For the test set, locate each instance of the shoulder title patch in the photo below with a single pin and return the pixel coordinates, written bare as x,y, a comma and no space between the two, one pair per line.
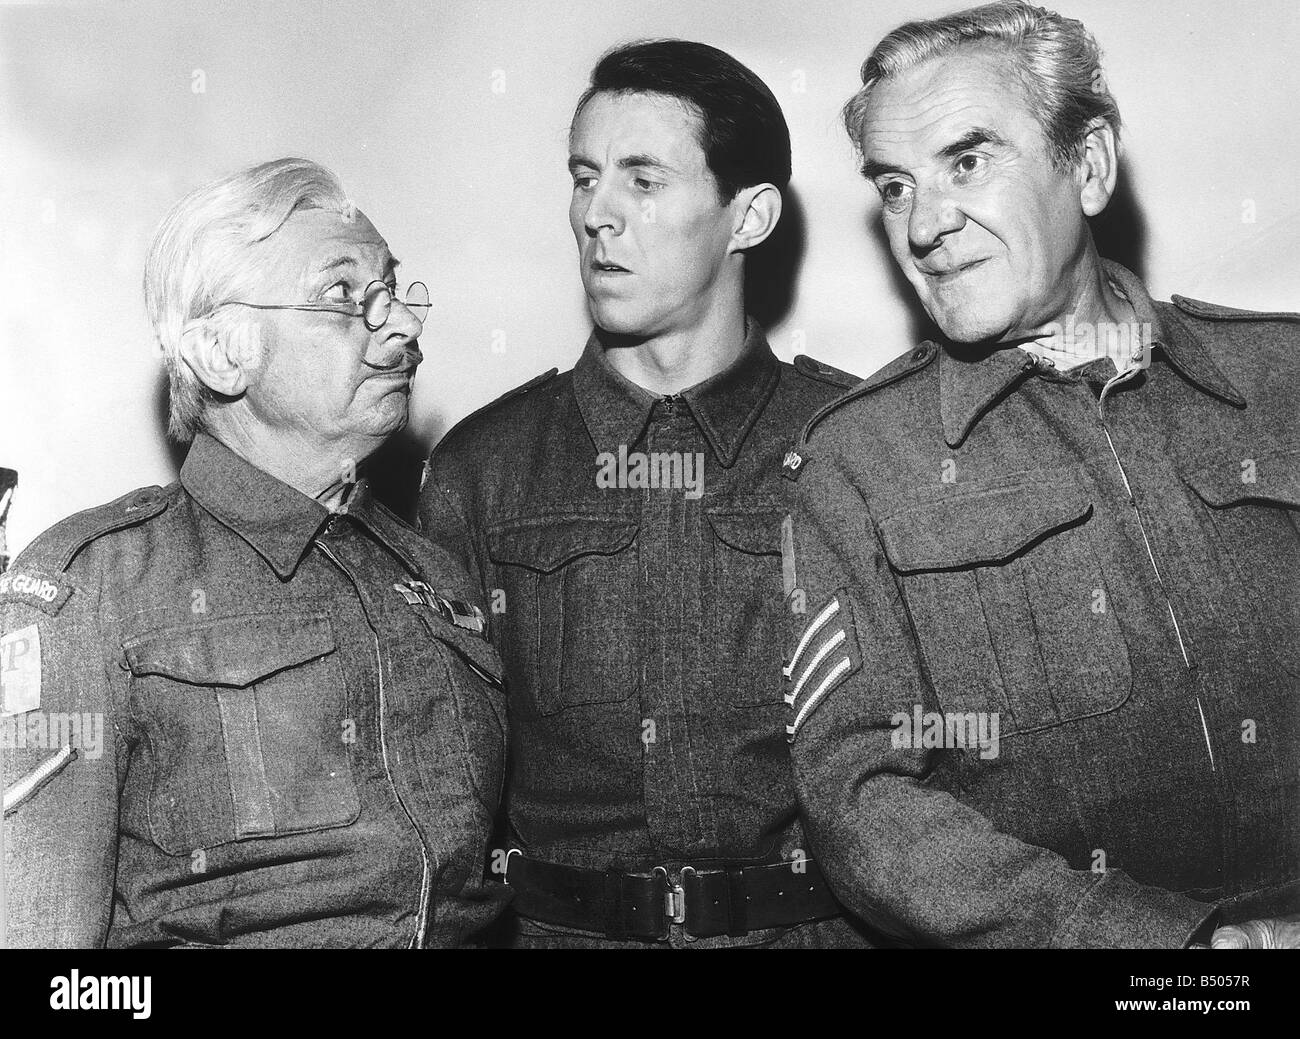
32,587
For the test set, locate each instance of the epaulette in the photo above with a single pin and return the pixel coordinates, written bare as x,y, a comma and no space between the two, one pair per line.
815,369
899,368
531,384
54,550
1215,312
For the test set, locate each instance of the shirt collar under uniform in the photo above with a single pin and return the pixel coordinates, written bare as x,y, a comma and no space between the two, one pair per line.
276,520
971,386
725,406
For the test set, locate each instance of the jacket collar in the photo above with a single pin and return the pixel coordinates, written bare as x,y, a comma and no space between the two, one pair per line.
725,406
276,520
971,385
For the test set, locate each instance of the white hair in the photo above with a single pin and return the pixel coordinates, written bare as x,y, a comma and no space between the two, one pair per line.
199,259
1056,60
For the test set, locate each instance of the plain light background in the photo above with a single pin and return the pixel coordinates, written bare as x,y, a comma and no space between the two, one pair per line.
447,124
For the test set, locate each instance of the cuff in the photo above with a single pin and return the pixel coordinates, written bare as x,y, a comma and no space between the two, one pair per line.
1119,913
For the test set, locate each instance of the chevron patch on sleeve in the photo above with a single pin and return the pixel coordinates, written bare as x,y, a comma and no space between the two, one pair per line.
825,654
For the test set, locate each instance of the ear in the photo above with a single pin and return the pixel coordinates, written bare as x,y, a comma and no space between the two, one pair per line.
1098,168
224,357
758,209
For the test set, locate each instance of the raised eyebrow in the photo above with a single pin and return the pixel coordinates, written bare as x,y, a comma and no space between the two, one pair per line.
644,162
973,138
871,169
339,262
335,262
577,162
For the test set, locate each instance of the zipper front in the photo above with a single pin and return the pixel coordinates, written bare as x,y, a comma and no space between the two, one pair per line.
422,916
1146,541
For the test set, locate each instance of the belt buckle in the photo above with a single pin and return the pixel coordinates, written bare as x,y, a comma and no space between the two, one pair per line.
505,873
674,895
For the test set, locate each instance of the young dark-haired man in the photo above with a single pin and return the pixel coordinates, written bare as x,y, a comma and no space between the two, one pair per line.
625,521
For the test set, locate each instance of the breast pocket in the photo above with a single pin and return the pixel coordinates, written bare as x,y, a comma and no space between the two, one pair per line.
1251,510
568,635
1010,604
246,721
743,619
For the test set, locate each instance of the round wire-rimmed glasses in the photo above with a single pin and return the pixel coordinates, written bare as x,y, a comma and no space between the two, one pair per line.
375,305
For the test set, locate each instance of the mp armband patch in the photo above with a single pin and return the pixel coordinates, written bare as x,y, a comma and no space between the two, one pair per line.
824,657
20,671
31,587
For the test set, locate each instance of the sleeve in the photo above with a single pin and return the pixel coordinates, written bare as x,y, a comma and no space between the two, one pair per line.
59,764
899,850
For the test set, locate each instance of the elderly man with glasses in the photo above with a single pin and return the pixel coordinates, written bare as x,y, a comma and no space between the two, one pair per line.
254,707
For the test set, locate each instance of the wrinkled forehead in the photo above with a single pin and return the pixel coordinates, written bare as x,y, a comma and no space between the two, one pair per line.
936,102
614,126
313,239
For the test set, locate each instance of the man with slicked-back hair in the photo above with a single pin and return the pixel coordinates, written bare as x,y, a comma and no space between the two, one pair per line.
624,520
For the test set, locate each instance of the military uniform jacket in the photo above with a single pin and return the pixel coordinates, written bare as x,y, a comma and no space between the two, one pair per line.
639,618
300,739
1113,577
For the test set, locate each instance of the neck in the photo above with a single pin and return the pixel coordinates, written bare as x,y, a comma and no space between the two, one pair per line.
321,469
1096,317
673,361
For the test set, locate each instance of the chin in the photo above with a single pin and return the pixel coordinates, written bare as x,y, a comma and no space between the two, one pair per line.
971,327
619,318
388,420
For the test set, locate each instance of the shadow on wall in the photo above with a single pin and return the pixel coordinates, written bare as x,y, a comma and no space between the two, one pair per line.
175,452
772,269
1120,232
1121,229
394,473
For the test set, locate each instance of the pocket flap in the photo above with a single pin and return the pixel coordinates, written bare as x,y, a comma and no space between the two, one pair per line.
547,544
233,651
1271,476
758,533
981,527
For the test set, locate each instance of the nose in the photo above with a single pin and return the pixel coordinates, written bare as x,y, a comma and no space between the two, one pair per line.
603,211
934,214
402,327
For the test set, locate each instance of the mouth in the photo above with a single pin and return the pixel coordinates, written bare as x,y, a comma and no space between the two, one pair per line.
948,273
600,266
404,365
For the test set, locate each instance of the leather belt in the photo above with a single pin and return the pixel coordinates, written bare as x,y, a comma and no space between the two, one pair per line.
705,901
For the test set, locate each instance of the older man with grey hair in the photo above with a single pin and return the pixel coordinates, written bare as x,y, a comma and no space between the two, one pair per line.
254,707
1044,690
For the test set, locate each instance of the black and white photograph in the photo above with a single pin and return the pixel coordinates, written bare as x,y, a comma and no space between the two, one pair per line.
687,476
